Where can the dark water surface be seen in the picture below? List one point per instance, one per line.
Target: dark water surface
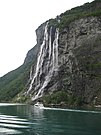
(27, 120)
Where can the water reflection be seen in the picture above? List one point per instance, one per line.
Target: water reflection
(10, 124)
(13, 119)
(27, 120)
(21, 119)
(37, 117)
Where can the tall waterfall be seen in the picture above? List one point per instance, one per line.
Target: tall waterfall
(47, 62)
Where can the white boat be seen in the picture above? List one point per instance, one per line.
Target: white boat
(39, 105)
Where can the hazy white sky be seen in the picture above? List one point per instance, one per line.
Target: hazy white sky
(18, 21)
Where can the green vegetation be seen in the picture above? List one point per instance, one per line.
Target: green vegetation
(13, 83)
(62, 98)
(16, 81)
(86, 10)
(21, 98)
(53, 22)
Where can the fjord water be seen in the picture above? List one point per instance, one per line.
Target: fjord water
(28, 120)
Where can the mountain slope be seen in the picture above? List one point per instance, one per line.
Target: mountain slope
(15, 81)
(65, 65)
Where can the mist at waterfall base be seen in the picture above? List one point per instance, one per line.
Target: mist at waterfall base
(28, 120)
(18, 22)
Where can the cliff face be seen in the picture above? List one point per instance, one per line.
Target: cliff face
(69, 60)
(65, 64)
(47, 61)
(80, 59)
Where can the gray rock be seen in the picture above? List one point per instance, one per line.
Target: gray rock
(79, 59)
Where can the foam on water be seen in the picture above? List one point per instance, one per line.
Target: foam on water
(7, 117)
(10, 104)
(7, 131)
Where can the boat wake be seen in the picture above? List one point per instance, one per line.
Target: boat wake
(70, 110)
(41, 106)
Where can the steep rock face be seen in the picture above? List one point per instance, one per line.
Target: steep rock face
(65, 64)
(31, 55)
(78, 68)
(80, 58)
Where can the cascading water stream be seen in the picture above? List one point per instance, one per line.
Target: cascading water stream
(39, 59)
(56, 41)
(55, 50)
(50, 41)
(47, 62)
(31, 73)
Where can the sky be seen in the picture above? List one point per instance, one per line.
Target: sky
(18, 21)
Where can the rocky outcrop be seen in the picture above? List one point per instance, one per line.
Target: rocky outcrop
(32, 54)
(64, 67)
(79, 61)
(67, 57)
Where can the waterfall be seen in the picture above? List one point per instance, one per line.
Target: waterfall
(50, 43)
(30, 73)
(47, 62)
(55, 50)
(56, 40)
(39, 60)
